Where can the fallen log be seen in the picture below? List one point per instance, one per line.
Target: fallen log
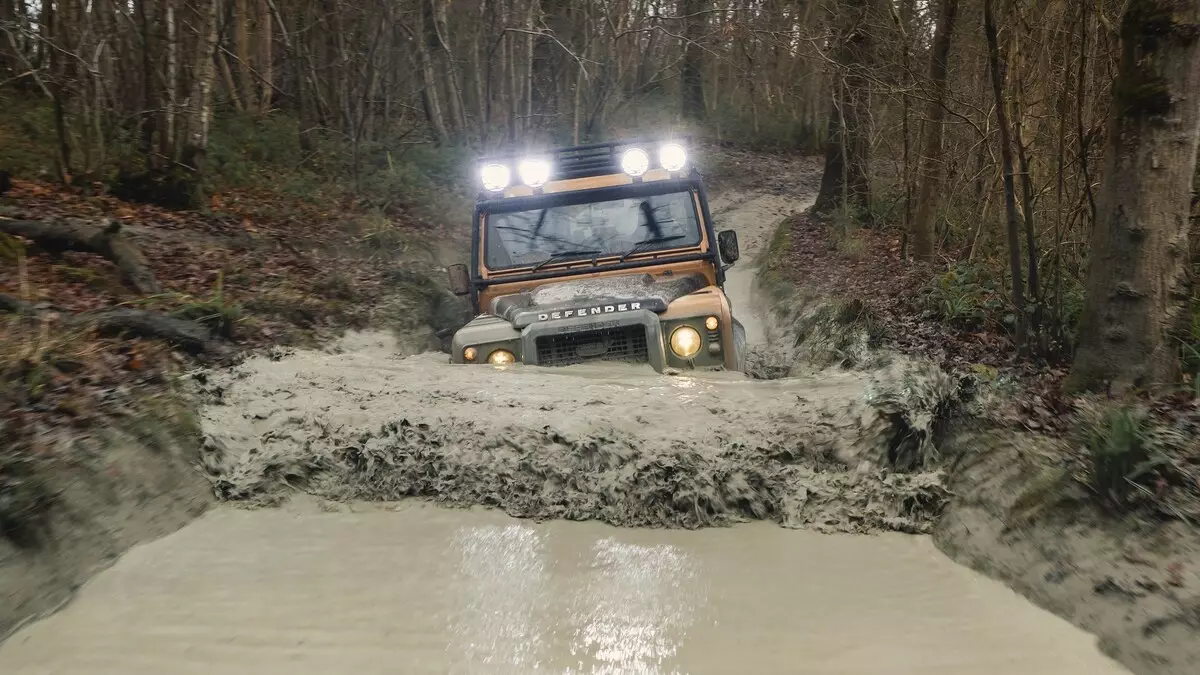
(15, 305)
(103, 239)
(188, 335)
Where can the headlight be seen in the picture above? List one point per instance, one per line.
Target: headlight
(501, 357)
(469, 354)
(712, 323)
(685, 342)
(534, 172)
(495, 177)
(635, 162)
(672, 157)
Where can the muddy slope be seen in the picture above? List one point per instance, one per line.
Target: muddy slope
(109, 490)
(1019, 517)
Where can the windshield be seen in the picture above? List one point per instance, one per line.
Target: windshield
(594, 230)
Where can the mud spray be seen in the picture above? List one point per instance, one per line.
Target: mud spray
(615, 443)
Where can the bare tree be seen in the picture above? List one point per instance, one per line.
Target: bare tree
(931, 153)
(999, 72)
(692, 68)
(846, 181)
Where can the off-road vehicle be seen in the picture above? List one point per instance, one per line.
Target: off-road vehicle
(602, 252)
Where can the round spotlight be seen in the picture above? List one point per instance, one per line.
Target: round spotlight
(635, 162)
(495, 177)
(469, 354)
(711, 323)
(672, 156)
(534, 172)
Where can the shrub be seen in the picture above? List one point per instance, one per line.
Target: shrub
(966, 295)
(219, 313)
(1119, 448)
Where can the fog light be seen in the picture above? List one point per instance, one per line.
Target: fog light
(470, 353)
(501, 357)
(711, 323)
(685, 342)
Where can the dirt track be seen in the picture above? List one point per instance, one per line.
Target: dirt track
(426, 590)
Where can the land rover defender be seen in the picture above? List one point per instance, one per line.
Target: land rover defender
(602, 252)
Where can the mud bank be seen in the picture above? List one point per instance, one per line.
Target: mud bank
(1019, 517)
(128, 482)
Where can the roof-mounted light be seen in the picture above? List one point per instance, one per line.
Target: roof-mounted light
(534, 172)
(495, 177)
(635, 162)
(672, 156)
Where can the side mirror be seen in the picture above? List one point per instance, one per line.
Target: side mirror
(727, 245)
(460, 279)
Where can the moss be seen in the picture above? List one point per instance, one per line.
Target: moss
(772, 271)
(1142, 94)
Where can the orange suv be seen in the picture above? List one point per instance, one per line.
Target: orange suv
(602, 252)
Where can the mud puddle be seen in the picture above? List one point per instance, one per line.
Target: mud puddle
(329, 584)
(430, 590)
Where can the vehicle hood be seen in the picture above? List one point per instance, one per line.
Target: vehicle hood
(648, 292)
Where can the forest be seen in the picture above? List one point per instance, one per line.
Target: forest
(1013, 142)
(225, 233)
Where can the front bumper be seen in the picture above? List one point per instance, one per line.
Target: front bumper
(543, 341)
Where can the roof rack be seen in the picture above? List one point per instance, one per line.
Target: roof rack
(585, 161)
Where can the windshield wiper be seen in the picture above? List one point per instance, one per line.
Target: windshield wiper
(579, 252)
(652, 240)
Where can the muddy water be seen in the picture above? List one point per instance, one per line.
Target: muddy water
(431, 590)
(320, 587)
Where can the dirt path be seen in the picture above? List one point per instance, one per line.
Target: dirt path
(414, 588)
(754, 216)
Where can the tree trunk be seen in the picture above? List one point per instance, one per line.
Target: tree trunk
(429, 83)
(1137, 279)
(9, 62)
(453, 81)
(195, 145)
(931, 153)
(241, 30)
(845, 182)
(266, 62)
(998, 69)
(692, 68)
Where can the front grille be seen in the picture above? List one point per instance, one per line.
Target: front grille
(625, 343)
